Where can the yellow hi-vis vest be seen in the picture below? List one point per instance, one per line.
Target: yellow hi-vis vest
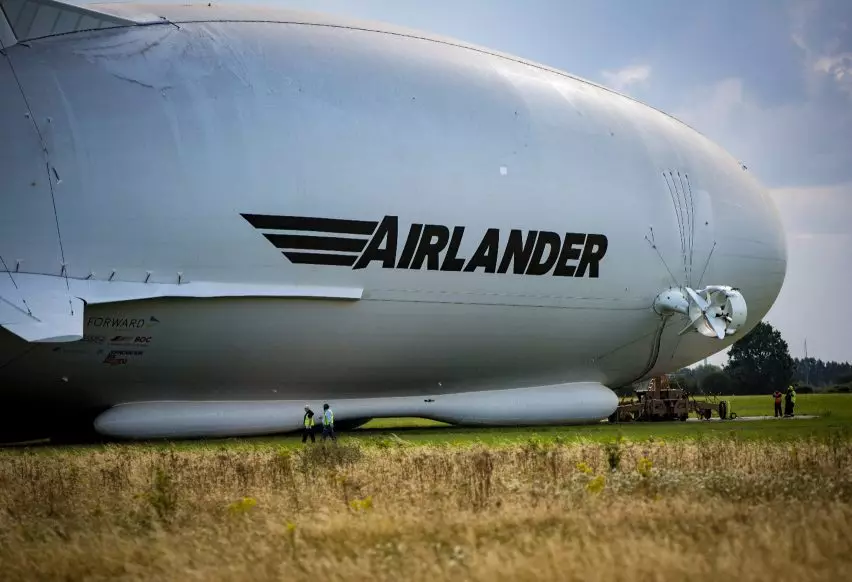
(328, 417)
(309, 421)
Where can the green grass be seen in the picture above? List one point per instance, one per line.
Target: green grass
(834, 406)
(390, 423)
(834, 413)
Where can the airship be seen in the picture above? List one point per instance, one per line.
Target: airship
(212, 216)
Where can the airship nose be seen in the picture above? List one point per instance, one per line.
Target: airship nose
(751, 246)
(740, 264)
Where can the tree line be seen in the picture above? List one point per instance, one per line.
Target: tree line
(760, 363)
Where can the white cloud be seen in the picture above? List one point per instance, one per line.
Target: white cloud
(623, 78)
(811, 212)
(785, 144)
(818, 224)
(811, 303)
(838, 67)
(825, 61)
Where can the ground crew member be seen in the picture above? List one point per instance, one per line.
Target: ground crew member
(309, 425)
(327, 423)
(777, 395)
(791, 400)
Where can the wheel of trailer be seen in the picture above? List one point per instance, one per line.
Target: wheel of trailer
(683, 417)
(723, 409)
(613, 418)
(708, 413)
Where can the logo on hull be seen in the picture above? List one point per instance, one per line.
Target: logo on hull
(121, 323)
(121, 357)
(357, 243)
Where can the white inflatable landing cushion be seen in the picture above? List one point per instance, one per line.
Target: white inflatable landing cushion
(574, 403)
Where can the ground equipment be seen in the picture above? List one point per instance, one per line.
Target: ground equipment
(665, 398)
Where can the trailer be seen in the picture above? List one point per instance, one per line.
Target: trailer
(664, 399)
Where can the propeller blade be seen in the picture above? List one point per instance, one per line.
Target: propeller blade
(717, 326)
(699, 301)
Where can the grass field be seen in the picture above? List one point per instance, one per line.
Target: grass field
(834, 412)
(665, 501)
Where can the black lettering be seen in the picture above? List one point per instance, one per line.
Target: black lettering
(546, 239)
(410, 245)
(569, 253)
(430, 249)
(593, 252)
(451, 263)
(486, 254)
(518, 250)
(374, 251)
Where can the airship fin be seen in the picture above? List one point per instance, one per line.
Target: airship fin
(40, 312)
(96, 291)
(49, 308)
(23, 20)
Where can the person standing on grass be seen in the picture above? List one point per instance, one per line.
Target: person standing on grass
(778, 396)
(790, 400)
(309, 425)
(327, 423)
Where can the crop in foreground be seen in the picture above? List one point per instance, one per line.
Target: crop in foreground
(539, 510)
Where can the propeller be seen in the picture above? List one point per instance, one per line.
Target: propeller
(714, 311)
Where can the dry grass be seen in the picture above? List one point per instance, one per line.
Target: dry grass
(670, 511)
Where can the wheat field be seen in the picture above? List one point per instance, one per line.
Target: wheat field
(701, 510)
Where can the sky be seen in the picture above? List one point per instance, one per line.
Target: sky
(768, 80)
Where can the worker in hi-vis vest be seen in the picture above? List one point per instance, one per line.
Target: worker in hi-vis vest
(327, 423)
(790, 401)
(309, 425)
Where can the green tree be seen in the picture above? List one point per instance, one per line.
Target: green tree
(760, 362)
(717, 383)
(685, 379)
(701, 372)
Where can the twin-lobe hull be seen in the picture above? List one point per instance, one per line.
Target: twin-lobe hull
(265, 206)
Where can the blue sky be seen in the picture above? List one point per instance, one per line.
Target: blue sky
(769, 80)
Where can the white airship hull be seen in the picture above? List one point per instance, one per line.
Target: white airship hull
(310, 210)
